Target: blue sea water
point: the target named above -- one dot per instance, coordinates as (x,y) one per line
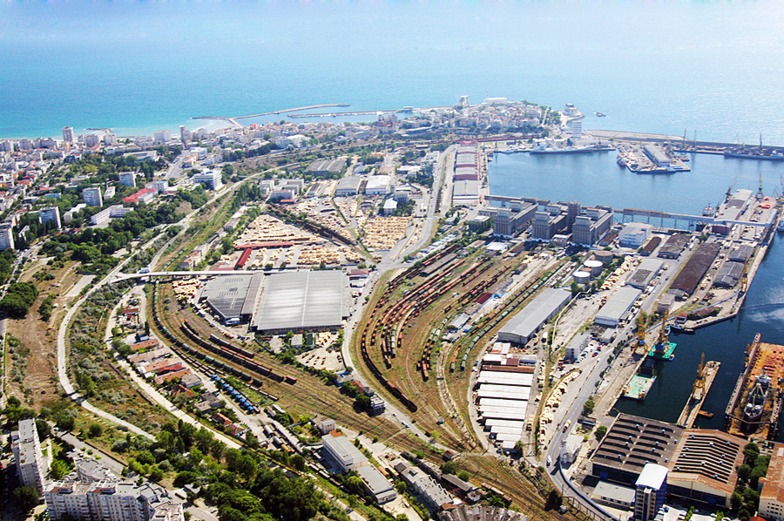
(709,68)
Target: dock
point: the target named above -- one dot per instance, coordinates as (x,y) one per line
(638,387)
(702,385)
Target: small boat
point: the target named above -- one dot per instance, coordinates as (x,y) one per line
(600,114)
(704,414)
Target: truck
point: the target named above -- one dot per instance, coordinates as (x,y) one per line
(567,425)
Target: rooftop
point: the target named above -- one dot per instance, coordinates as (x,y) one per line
(302,299)
(711,456)
(652,476)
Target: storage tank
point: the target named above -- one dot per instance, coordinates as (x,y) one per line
(582,277)
(605,257)
(594,267)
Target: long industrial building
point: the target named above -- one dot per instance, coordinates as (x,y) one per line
(299,300)
(527,322)
(617,307)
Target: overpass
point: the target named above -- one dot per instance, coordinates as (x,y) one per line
(180,274)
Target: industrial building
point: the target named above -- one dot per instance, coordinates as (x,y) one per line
(465,193)
(656,155)
(533,316)
(644,273)
(326,167)
(480,223)
(673,246)
(299,300)
(232,298)
(348,186)
(735,205)
(702,469)
(771,504)
(741,253)
(31,467)
(695,269)
(339,450)
(617,307)
(509,222)
(615,496)
(634,235)
(427,489)
(630,444)
(549,221)
(591,224)
(729,275)
(378,185)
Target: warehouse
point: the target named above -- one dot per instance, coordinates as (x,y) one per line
(348,186)
(465,193)
(617,307)
(327,167)
(377,185)
(302,300)
(644,273)
(494,377)
(232,298)
(741,253)
(692,273)
(527,322)
(729,275)
(673,246)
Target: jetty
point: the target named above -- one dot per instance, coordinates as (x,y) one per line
(274,112)
(705,375)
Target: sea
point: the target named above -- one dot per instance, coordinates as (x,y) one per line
(703,70)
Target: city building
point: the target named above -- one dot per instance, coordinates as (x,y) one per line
(112,212)
(650,493)
(480,223)
(634,235)
(93,493)
(127,178)
(211,179)
(50,214)
(68,135)
(771,504)
(6,236)
(160,185)
(30,464)
(378,185)
(161,137)
(92,196)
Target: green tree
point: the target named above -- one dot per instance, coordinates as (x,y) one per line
(554,500)
(94,430)
(25,497)
(588,407)
(600,431)
(58,470)
(450,467)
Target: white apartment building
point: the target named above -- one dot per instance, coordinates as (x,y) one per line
(30,464)
(6,237)
(92,196)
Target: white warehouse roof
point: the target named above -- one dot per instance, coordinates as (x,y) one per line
(617,306)
(528,321)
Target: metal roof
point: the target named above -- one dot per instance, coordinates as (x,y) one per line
(617,305)
(227,295)
(536,313)
(301,300)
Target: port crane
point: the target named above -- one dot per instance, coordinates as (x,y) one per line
(699,384)
(640,332)
(662,341)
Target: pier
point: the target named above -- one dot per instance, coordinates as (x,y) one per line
(274,112)
(702,385)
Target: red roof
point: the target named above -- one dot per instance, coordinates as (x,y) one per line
(132,199)
(267,244)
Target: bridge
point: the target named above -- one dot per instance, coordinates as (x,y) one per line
(181,274)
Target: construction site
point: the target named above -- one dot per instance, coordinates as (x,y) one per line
(755,404)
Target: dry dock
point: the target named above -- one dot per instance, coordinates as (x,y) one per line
(702,385)
(756,401)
